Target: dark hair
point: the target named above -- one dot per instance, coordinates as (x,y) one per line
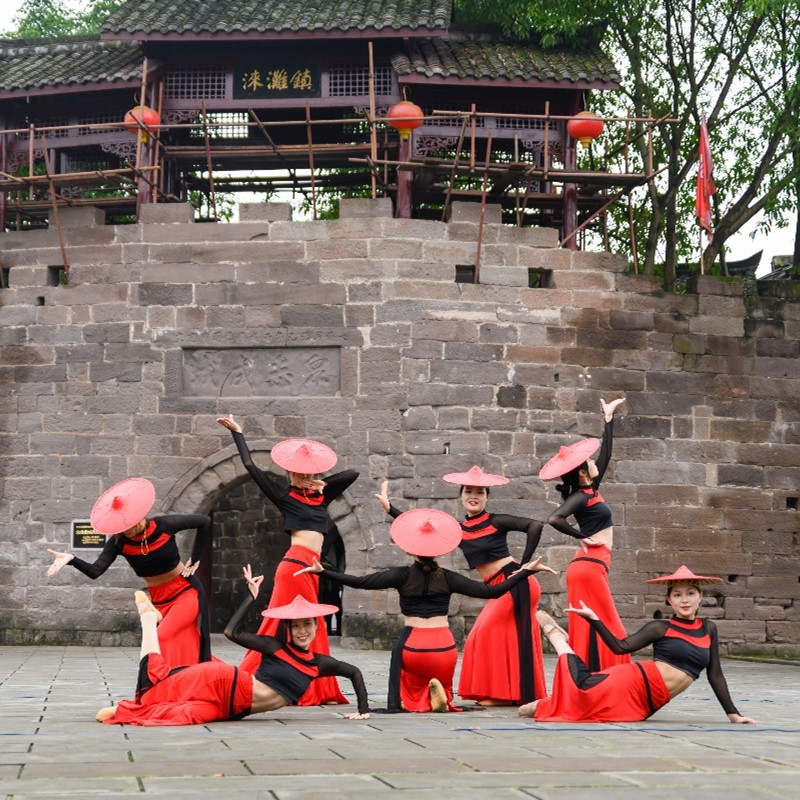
(464,486)
(570,481)
(427,564)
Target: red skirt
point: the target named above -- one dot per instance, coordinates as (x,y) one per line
(587,580)
(623,693)
(502,657)
(425,653)
(286,588)
(179,632)
(206,692)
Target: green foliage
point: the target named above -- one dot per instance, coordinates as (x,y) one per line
(54,18)
(550,23)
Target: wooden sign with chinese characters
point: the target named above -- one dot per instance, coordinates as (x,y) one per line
(84,535)
(276,79)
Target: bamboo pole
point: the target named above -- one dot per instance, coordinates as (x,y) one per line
(373,140)
(56,218)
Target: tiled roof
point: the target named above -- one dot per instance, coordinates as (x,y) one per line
(482,59)
(290,16)
(27,64)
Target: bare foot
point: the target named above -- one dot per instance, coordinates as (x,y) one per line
(491,701)
(144,605)
(550,627)
(105,713)
(528,710)
(438,696)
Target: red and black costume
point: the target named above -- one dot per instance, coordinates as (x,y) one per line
(634,691)
(220,691)
(183,633)
(587,574)
(424,653)
(302,510)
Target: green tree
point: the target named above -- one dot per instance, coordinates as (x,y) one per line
(54,18)
(735,60)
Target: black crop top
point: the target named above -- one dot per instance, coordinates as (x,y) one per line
(687,645)
(302,510)
(485,537)
(287,669)
(156,553)
(424,594)
(591,512)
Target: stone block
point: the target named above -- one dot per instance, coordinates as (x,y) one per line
(462,211)
(33,276)
(265,212)
(531,236)
(352,208)
(166,213)
(503,276)
(713,285)
(78,217)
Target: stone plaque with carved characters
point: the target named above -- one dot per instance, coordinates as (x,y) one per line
(260,372)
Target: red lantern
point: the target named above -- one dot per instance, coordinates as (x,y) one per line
(148,117)
(405,116)
(585,127)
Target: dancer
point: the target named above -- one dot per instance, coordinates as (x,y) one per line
(304,505)
(683,647)
(424,659)
(587,574)
(219,691)
(149,546)
(502,661)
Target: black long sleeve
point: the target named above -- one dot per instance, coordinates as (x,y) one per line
(572,505)
(273,491)
(646,635)
(532,528)
(173,523)
(96,568)
(330,666)
(714,673)
(336,484)
(459,584)
(604,456)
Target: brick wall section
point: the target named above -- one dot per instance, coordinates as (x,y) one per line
(434,377)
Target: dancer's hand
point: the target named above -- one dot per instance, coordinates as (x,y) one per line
(253,583)
(356,715)
(738,719)
(315,567)
(608,408)
(228,422)
(537,566)
(589,542)
(383,496)
(583,611)
(61,560)
(190,569)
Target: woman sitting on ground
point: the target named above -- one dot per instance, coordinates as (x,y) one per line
(683,646)
(215,690)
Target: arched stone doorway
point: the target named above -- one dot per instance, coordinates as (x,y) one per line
(247,529)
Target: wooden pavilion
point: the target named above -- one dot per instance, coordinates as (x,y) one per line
(293,97)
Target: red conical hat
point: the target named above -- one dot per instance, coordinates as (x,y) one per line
(426,532)
(303,455)
(300,608)
(684,575)
(122,506)
(475,476)
(567,458)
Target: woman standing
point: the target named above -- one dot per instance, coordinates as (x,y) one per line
(304,506)
(424,659)
(149,546)
(683,647)
(219,691)
(587,574)
(502,662)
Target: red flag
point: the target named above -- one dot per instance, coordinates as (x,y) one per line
(705,182)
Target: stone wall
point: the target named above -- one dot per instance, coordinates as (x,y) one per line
(356,332)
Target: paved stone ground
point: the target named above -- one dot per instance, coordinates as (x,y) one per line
(51,747)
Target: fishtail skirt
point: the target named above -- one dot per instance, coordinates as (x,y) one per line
(622,693)
(587,580)
(206,692)
(502,657)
